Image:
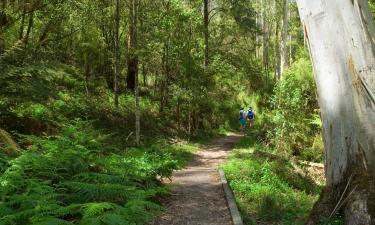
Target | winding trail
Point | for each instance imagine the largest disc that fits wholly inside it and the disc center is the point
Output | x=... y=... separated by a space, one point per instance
x=197 y=193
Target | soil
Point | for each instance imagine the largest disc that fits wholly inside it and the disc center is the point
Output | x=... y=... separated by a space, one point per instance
x=197 y=194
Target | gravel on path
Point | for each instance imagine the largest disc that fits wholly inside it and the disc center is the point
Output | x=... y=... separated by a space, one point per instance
x=197 y=196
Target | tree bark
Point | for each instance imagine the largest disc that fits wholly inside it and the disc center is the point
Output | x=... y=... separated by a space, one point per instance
x=30 y=25
x=265 y=45
x=144 y=72
x=133 y=67
x=256 y=35
x=117 y=53
x=277 y=52
x=340 y=35
x=284 y=39
x=132 y=42
x=22 y=22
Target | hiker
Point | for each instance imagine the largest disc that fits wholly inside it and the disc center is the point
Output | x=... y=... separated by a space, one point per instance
x=250 y=116
x=242 y=119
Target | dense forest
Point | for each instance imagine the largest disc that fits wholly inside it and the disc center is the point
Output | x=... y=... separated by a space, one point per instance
x=101 y=100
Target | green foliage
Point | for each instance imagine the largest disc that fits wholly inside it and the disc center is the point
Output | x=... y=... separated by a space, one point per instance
x=336 y=220
x=293 y=121
x=71 y=178
x=267 y=188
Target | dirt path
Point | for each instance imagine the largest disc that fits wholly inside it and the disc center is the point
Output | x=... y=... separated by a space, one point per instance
x=197 y=194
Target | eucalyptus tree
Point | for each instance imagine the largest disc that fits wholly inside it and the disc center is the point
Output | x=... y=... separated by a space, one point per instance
x=340 y=36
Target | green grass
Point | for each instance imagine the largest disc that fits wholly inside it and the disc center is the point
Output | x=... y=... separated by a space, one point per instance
x=267 y=189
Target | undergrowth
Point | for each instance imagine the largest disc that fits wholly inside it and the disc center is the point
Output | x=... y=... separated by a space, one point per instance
x=75 y=178
x=266 y=187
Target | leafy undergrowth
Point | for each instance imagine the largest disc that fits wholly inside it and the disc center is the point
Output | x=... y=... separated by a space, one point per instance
x=76 y=177
x=267 y=188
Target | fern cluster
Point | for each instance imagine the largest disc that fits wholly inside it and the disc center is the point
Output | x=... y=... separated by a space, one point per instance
x=71 y=178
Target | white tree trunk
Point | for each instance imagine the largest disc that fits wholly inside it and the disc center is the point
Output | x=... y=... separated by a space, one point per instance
x=284 y=38
x=340 y=36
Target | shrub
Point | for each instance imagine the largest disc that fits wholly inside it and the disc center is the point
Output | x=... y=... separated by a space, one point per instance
x=293 y=121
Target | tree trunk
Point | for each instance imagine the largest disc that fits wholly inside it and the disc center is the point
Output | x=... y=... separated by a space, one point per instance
x=277 y=52
x=132 y=42
x=206 y=32
x=22 y=22
x=30 y=25
x=340 y=35
x=133 y=66
x=144 y=72
x=265 y=46
x=165 y=80
x=3 y=16
x=284 y=39
x=117 y=53
x=256 y=35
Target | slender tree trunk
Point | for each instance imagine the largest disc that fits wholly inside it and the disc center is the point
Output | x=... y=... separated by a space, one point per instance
x=117 y=53
x=29 y=26
x=132 y=56
x=265 y=45
x=87 y=73
x=340 y=35
x=290 y=50
x=165 y=80
x=144 y=72
x=284 y=38
x=133 y=66
x=277 y=52
x=3 y=16
x=290 y=61
x=256 y=35
x=206 y=32
x=22 y=26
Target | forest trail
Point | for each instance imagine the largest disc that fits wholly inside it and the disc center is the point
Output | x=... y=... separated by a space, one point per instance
x=197 y=194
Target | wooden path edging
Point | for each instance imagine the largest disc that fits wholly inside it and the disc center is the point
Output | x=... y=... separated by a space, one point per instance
x=236 y=216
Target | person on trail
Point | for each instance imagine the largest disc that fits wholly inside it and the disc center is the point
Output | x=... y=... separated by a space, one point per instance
x=242 y=119
x=250 y=116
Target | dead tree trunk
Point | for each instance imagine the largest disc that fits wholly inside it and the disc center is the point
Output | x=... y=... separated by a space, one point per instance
x=340 y=35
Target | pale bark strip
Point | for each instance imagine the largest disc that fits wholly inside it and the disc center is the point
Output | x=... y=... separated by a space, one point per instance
x=340 y=35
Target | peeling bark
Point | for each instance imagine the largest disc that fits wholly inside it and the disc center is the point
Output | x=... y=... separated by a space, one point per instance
x=340 y=36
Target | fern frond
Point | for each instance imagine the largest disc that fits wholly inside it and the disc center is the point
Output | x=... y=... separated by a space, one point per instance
x=51 y=221
x=101 y=192
x=96 y=208
x=114 y=219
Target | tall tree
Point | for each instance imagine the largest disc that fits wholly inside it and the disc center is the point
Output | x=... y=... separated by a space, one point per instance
x=342 y=52
x=117 y=52
x=133 y=65
x=132 y=43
